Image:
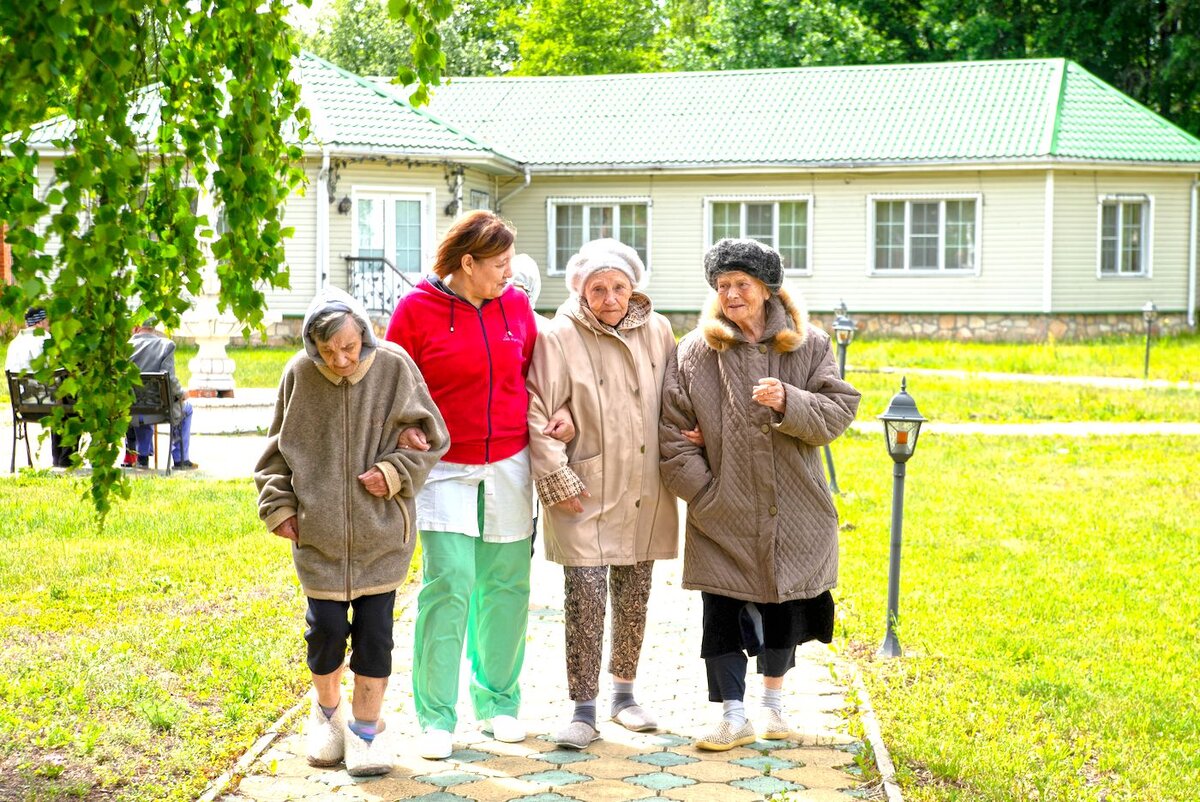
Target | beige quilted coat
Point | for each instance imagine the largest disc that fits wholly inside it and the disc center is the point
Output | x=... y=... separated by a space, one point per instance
x=611 y=385
x=761 y=525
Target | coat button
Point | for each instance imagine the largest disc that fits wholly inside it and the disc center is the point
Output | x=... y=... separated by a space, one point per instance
x=762 y=349
x=766 y=427
x=643 y=449
x=637 y=503
x=772 y=510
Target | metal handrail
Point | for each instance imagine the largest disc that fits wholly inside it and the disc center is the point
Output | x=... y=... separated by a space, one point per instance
x=376 y=283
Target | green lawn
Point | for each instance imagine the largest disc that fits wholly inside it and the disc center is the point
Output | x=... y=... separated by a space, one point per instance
x=254 y=366
x=139 y=662
x=1048 y=614
x=1171 y=358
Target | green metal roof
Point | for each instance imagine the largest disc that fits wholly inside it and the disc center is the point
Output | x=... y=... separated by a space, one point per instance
x=961 y=112
x=349 y=113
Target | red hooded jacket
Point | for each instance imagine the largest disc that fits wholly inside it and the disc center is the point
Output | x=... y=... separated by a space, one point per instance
x=474 y=361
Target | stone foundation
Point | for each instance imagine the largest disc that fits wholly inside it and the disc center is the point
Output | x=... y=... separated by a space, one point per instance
x=987 y=328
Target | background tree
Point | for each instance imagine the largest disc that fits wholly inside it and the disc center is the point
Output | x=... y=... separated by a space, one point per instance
x=588 y=37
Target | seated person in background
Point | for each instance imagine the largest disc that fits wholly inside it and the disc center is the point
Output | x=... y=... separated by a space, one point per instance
x=154 y=352
x=26 y=347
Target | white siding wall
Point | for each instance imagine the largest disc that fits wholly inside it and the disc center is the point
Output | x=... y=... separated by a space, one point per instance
x=1077 y=288
x=300 y=252
x=1010 y=240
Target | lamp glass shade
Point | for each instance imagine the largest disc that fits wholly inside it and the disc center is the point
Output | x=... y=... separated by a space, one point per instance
x=902 y=424
x=843 y=330
x=1149 y=312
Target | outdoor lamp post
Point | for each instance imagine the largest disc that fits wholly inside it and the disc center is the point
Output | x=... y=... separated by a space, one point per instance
x=843 y=331
x=901 y=424
x=1149 y=314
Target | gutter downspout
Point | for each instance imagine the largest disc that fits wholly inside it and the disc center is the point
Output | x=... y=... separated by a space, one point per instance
x=500 y=201
x=322 y=243
x=1191 y=300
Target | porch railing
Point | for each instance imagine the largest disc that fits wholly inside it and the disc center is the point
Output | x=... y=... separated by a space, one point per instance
x=376 y=283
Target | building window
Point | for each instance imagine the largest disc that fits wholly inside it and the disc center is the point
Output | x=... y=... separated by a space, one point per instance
x=783 y=224
x=1124 y=236
x=392 y=226
x=925 y=234
x=572 y=222
x=481 y=199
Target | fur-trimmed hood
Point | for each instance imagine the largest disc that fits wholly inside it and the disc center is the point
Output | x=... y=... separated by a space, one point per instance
x=787 y=324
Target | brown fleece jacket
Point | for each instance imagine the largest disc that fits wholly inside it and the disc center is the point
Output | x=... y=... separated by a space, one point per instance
x=327 y=430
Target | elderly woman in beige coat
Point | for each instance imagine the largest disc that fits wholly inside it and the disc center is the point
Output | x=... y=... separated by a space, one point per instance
x=608 y=515
x=749 y=398
x=334 y=481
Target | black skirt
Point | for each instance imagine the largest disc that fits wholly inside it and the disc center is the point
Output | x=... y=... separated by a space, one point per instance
x=734 y=625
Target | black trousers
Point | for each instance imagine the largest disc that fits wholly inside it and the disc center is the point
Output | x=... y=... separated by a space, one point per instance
x=369 y=632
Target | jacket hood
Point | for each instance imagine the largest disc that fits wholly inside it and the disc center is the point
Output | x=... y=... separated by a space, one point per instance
x=639 y=311
x=332 y=299
x=787 y=324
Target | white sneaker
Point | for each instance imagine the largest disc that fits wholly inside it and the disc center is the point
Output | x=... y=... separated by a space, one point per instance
x=368 y=759
x=323 y=737
x=435 y=744
x=505 y=728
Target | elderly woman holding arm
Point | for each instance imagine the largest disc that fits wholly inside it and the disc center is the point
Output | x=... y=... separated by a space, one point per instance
x=608 y=515
x=334 y=481
x=748 y=399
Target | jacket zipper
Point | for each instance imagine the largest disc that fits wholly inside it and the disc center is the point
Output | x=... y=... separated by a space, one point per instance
x=349 y=485
x=487 y=443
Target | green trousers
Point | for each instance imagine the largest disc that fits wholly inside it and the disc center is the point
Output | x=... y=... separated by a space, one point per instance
x=479 y=591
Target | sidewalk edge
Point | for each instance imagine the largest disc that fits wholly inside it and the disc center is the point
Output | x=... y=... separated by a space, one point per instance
x=883 y=758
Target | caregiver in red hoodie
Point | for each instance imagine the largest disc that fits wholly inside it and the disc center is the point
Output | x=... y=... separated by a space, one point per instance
x=472 y=336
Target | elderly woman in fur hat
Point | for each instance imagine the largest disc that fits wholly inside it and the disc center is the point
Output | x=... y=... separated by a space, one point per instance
x=608 y=516
x=749 y=398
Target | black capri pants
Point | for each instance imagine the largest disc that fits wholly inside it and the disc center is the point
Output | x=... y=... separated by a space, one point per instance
x=369 y=632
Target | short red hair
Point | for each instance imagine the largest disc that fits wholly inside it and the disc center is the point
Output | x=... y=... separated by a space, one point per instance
x=480 y=233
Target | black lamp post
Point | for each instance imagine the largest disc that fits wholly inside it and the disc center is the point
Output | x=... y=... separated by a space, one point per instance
x=1149 y=314
x=843 y=331
x=901 y=424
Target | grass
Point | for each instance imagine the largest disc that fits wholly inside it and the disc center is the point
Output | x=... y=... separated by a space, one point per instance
x=1047 y=613
x=1171 y=358
x=139 y=662
x=254 y=366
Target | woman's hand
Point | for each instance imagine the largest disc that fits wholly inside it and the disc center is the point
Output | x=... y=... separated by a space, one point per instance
x=560 y=426
x=770 y=393
x=288 y=530
x=573 y=504
x=412 y=438
x=694 y=436
x=374 y=481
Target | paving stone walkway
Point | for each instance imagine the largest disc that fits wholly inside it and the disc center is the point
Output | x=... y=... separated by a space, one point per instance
x=818 y=765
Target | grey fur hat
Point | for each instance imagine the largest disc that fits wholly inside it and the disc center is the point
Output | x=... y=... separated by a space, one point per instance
x=604 y=254
x=749 y=256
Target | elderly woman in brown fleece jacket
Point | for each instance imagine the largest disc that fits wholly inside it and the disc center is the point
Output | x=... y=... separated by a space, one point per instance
x=748 y=399
x=334 y=481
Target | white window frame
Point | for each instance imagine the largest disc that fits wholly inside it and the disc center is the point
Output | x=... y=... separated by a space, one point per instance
x=426 y=197
x=924 y=197
x=808 y=200
x=552 y=266
x=1146 y=201
x=480 y=199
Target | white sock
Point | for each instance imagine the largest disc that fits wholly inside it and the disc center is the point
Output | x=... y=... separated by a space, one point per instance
x=735 y=712
x=773 y=698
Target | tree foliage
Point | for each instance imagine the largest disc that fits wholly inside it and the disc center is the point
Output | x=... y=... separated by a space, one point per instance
x=116 y=234
x=588 y=37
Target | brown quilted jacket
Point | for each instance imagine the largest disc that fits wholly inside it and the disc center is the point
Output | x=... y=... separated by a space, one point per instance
x=761 y=525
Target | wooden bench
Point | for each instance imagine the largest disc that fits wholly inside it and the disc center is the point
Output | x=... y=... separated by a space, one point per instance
x=33 y=401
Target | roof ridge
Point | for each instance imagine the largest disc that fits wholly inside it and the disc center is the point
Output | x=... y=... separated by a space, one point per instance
x=396 y=99
x=1112 y=91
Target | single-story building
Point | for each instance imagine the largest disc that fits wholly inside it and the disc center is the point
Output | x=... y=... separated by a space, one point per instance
x=998 y=199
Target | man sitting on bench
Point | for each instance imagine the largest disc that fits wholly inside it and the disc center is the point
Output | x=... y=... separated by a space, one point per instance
x=26 y=347
x=155 y=352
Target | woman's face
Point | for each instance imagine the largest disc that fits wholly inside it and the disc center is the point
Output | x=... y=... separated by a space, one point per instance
x=341 y=351
x=607 y=294
x=488 y=276
x=742 y=297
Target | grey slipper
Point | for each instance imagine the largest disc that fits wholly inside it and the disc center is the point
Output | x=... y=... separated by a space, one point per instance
x=635 y=718
x=576 y=735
